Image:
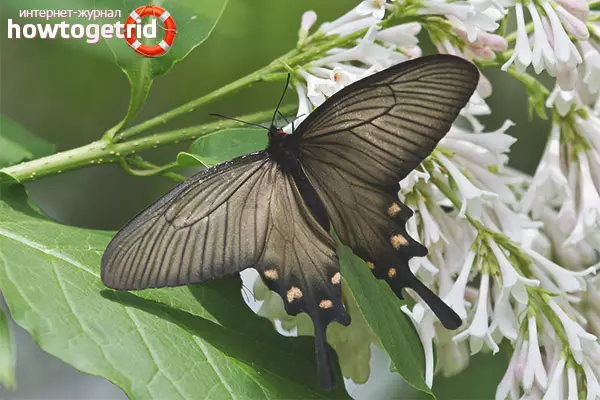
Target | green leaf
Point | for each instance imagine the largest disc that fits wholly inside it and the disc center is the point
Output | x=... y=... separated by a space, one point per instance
x=173 y=343
x=7 y=353
x=381 y=309
x=187 y=160
x=224 y=145
x=18 y=144
x=194 y=19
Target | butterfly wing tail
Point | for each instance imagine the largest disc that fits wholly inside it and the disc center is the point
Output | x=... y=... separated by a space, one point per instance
x=445 y=314
x=324 y=363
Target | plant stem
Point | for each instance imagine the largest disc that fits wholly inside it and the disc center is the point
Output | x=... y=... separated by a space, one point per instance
x=269 y=72
x=194 y=104
x=102 y=151
x=110 y=149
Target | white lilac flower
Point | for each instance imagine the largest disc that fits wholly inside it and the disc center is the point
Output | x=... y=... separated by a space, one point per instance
x=591 y=61
x=471 y=196
x=543 y=54
x=580 y=341
x=319 y=89
x=473 y=16
x=522 y=55
x=483 y=148
x=573 y=25
x=308 y=20
x=567 y=280
x=304 y=108
x=557 y=227
x=591 y=381
x=367 y=9
x=579 y=8
x=564 y=101
x=588 y=220
x=549 y=181
x=567 y=55
x=376 y=8
x=404 y=35
x=350 y=27
x=367 y=52
x=431 y=230
x=534 y=367
x=484 y=47
x=512 y=280
x=573 y=393
x=456 y=297
x=479 y=331
x=556 y=385
x=423 y=319
x=504 y=318
x=509 y=385
x=408 y=183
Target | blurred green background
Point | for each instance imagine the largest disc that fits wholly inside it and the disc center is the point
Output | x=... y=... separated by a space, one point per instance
x=70 y=94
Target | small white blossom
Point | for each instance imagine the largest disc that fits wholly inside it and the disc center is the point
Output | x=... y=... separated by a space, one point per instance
x=579 y=339
x=556 y=380
x=568 y=281
x=456 y=297
x=509 y=385
x=549 y=181
x=423 y=320
x=479 y=332
x=588 y=220
x=591 y=382
x=472 y=197
x=522 y=55
x=308 y=20
x=534 y=368
x=591 y=61
x=376 y=8
x=510 y=278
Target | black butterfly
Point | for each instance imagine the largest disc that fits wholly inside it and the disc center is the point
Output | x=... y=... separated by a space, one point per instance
x=271 y=210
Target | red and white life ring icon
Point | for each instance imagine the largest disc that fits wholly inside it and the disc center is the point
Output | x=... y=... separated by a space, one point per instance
x=165 y=44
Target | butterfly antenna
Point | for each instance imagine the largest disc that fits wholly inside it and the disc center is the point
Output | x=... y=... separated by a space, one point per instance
x=283 y=116
x=287 y=82
x=238 y=120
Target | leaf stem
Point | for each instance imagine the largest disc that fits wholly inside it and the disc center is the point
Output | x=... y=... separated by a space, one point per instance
x=110 y=148
x=103 y=152
x=293 y=58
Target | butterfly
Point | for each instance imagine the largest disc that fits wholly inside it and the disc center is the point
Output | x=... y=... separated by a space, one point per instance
x=273 y=210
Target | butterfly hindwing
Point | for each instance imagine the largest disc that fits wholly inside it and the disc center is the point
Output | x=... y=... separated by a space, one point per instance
x=362 y=141
x=300 y=263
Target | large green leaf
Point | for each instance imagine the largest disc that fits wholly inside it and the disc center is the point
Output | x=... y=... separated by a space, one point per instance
x=381 y=309
x=227 y=144
x=195 y=20
x=18 y=144
x=176 y=343
x=7 y=353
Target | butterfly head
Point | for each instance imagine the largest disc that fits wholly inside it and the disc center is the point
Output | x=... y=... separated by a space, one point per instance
x=276 y=133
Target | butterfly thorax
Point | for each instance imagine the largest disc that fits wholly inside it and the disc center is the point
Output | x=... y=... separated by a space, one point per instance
x=283 y=150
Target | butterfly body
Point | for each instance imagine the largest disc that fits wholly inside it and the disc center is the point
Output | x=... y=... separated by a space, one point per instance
x=272 y=210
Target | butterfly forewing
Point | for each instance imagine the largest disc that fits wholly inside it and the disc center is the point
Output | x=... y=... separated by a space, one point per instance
x=212 y=225
x=361 y=142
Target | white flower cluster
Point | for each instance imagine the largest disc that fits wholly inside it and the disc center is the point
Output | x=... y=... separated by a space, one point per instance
x=557 y=28
x=511 y=254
